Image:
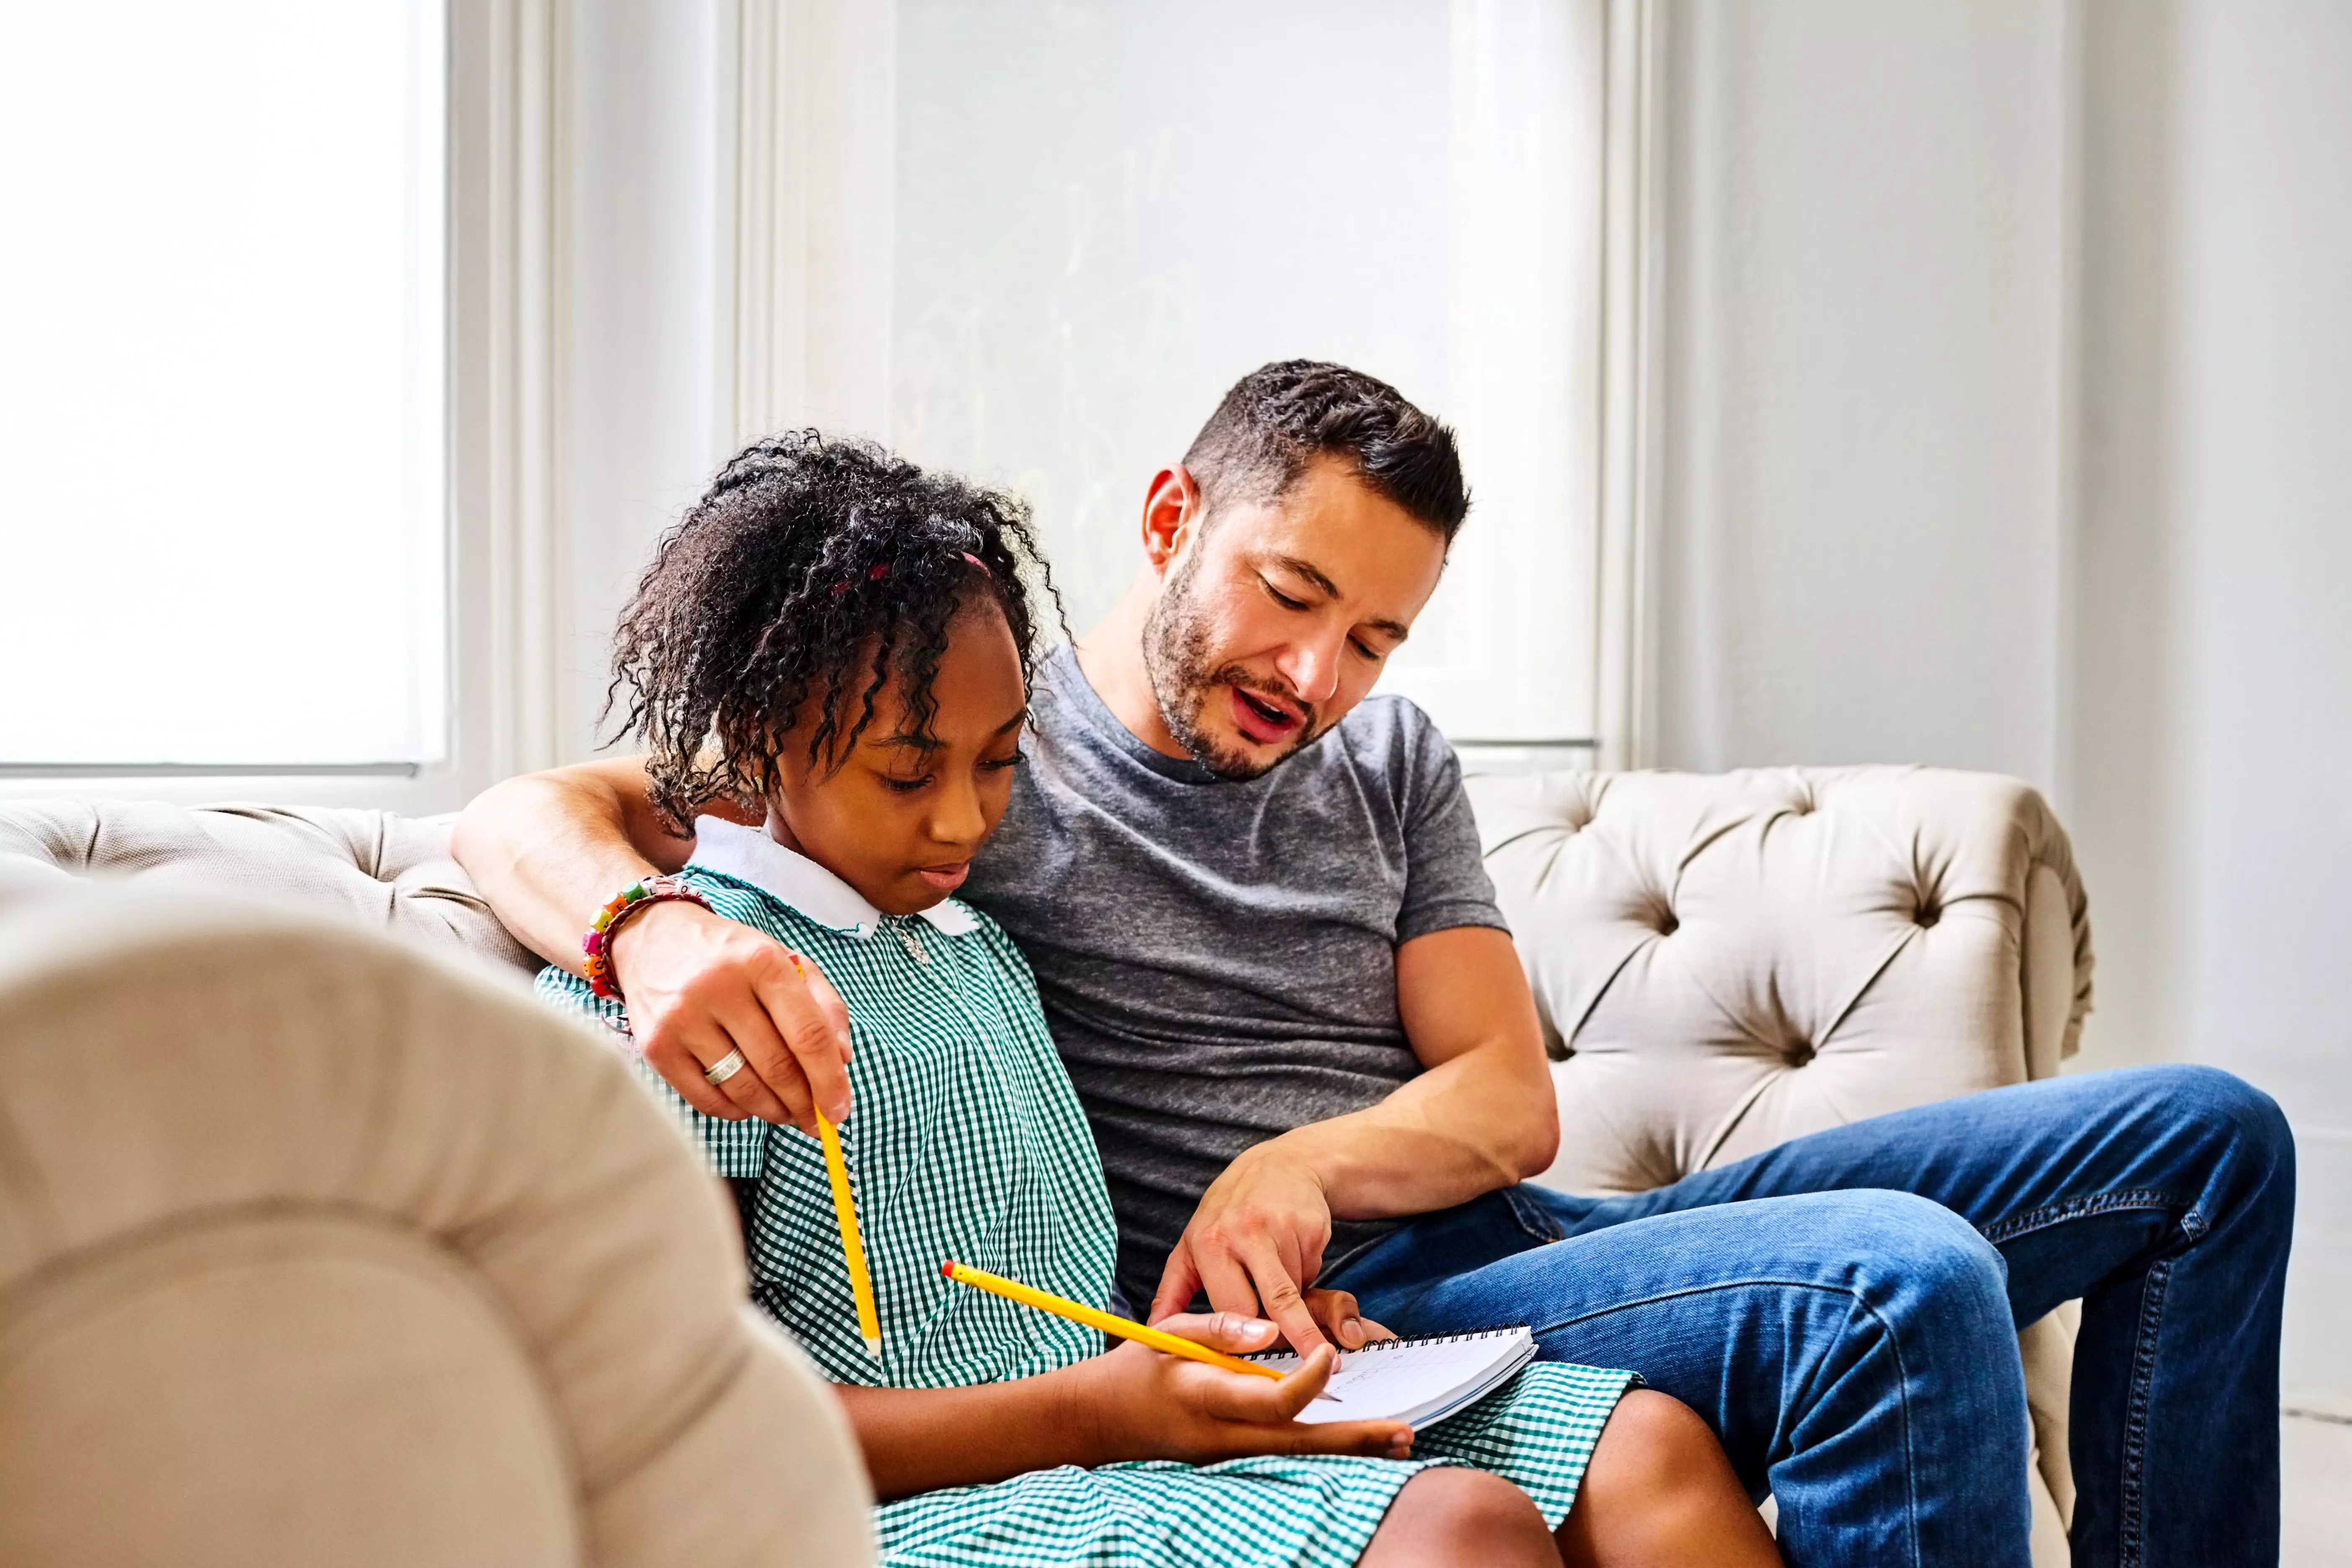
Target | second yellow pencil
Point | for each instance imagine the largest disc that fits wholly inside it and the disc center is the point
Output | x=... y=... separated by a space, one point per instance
x=1078 y=1312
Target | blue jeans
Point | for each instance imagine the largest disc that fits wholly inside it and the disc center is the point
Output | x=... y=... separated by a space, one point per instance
x=1843 y=1310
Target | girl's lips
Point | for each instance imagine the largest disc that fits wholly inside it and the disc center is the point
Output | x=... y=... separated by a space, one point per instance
x=1255 y=723
x=946 y=878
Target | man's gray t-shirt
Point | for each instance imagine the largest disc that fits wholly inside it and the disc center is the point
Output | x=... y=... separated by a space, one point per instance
x=1218 y=959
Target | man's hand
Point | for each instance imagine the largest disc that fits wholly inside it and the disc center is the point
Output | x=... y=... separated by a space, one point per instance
x=1254 y=1243
x=1480 y=1116
x=699 y=985
x=1335 y=1313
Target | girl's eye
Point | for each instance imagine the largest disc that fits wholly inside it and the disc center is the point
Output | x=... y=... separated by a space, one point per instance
x=998 y=765
x=905 y=787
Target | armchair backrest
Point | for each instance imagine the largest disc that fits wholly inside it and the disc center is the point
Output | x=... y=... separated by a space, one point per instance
x=316 y=1247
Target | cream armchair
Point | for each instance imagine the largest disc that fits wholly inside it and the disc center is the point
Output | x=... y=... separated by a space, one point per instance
x=319 y=1248
x=1721 y=962
x=1725 y=961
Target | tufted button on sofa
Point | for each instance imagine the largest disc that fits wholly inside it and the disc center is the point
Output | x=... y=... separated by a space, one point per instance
x=1722 y=963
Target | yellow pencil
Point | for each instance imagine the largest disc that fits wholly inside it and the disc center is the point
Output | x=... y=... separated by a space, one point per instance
x=1078 y=1312
x=844 y=1215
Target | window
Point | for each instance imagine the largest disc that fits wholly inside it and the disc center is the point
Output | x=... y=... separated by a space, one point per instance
x=222 y=385
x=1036 y=242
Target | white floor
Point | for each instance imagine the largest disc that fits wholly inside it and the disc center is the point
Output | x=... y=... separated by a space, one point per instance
x=2315 y=1466
x=2316 y=1457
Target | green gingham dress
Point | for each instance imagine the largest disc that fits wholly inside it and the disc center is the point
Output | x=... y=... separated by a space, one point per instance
x=967 y=1142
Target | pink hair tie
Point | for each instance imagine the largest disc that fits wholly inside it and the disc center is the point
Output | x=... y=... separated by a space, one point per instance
x=976 y=560
x=874 y=574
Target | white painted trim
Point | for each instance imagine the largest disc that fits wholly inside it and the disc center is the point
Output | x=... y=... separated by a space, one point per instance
x=2065 y=719
x=507 y=62
x=1632 y=357
x=814 y=117
x=765 y=297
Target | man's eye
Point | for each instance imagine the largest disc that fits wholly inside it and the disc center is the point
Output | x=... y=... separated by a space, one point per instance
x=1280 y=597
x=1371 y=653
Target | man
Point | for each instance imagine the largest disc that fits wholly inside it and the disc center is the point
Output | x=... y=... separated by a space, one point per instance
x=1274 y=965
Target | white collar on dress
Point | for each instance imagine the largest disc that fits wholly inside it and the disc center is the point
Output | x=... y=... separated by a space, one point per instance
x=749 y=855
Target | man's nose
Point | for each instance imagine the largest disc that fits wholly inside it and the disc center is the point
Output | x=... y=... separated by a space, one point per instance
x=1313 y=669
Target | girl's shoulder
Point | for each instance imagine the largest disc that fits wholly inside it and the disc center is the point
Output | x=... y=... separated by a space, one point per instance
x=746 y=903
x=998 y=944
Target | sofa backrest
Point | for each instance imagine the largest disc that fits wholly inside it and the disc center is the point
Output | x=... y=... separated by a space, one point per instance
x=1723 y=962
x=390 y=873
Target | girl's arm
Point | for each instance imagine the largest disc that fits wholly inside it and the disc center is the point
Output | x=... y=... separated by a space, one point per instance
x=1132 y=1403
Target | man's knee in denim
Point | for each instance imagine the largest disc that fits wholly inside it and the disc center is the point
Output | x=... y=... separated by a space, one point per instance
x=2211 y=1099
x=1926 y=1256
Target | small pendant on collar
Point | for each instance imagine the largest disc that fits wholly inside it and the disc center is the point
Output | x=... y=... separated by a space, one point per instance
x=911 y=940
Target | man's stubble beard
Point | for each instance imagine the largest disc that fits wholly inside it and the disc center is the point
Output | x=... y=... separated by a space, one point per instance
x=1176 y=660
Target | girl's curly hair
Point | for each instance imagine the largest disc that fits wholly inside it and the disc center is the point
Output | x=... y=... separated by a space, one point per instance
x=813 y=566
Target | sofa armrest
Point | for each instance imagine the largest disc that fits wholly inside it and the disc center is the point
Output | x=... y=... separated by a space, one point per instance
x=1724 y=961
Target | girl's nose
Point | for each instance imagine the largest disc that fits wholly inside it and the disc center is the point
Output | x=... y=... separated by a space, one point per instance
x=959 y=818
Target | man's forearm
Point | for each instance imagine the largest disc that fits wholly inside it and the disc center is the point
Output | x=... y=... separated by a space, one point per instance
x=547 y=850
x=1480 y=1117
x=1469 y=1126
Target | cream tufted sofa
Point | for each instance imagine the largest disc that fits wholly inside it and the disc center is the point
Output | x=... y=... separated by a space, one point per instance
x=319 y=1248
x=1721 y=962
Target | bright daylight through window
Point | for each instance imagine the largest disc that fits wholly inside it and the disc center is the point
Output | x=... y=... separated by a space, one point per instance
x=1103 y=215
x=221 y=426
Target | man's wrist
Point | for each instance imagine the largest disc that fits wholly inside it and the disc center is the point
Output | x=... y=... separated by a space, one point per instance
x=1294 y=1153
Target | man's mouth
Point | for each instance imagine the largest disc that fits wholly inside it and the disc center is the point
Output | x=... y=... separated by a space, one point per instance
x=1264 y=719
x=945 y=879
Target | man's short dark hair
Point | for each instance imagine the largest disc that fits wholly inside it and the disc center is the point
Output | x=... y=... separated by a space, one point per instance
x=1279 y=418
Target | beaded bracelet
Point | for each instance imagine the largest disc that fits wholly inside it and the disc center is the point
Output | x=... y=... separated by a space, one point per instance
x=637 y=896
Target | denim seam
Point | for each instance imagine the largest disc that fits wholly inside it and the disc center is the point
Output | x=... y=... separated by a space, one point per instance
x=2131 y=1512
x=2042 y=1219
x=2131 y=1504
x=1894 y=1346
x=1553 y=1230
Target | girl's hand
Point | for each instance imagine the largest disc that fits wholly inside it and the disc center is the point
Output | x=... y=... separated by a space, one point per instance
x=1142 y=1404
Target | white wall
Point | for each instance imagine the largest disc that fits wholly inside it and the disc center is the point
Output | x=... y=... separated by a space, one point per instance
x=1865 y=276
x=2215 y=704
x=2010 y=427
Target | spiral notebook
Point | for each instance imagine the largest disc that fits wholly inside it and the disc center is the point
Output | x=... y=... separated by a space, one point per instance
x=1419 y=1381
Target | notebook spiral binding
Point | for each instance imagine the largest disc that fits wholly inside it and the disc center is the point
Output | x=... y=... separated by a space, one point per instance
x=1399 y=1344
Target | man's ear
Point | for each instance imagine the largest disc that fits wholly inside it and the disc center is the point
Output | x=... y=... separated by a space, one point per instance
x=1172 y=518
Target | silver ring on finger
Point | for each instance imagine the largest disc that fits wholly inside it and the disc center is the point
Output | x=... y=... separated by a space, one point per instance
x=725 y=1067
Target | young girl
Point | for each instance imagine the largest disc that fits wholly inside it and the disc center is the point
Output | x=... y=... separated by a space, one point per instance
x=842 y=643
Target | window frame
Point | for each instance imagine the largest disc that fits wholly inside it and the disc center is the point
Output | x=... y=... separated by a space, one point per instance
x=804 y=75
x=501 y=543
x=509 y=612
